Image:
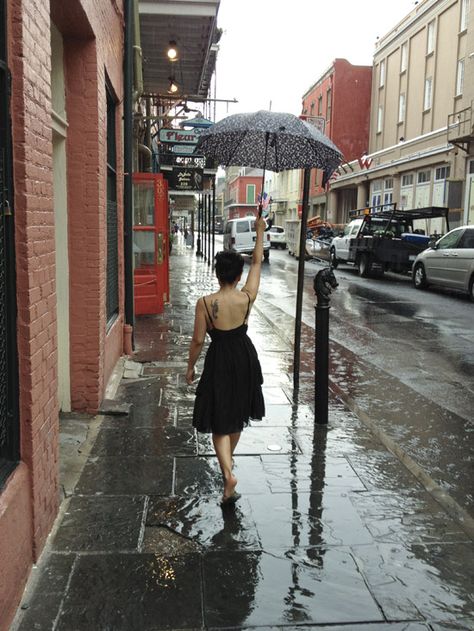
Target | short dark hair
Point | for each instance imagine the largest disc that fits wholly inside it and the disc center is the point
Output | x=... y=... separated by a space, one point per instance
x=229 y=266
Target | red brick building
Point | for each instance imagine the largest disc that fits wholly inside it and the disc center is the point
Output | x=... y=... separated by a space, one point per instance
x=340 y=98
x=61 y=288
x=243 y=187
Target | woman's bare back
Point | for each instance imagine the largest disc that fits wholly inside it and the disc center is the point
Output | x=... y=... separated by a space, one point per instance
x=227 y=309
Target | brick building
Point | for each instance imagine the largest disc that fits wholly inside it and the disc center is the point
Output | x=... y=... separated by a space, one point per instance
x=340 y=100
x=243 y=186
x=61 y=254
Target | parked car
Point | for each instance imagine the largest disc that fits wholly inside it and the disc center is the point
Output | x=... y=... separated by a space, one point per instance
x=448 y=263
x=277 y=237
x=240 y=236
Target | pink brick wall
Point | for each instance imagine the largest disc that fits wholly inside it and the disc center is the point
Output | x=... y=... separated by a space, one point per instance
x=30 y=63
x=87 y=64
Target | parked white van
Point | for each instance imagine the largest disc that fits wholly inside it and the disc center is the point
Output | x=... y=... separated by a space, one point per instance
x=240 y=235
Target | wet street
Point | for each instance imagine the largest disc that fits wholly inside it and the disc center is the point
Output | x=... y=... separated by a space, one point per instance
x=400 y=357
x=332 y=531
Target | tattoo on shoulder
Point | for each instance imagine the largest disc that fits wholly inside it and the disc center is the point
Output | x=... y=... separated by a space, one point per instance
x=215 y=309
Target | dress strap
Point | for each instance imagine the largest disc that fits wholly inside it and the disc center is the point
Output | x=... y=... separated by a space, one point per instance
x=208 y=314
x=248 y=310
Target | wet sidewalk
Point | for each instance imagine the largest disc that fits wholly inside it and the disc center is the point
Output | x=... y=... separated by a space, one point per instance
x=331 y=532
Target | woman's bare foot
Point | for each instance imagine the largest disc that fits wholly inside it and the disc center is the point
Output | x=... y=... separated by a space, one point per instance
x=229 y=487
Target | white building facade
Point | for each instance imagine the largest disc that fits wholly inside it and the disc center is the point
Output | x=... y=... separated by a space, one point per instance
x=421 y=149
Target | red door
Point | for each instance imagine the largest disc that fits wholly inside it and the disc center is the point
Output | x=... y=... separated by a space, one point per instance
x=150 y=243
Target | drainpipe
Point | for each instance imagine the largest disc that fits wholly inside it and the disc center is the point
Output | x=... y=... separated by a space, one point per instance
x=128 y=161
x=137 y=55
x=146 y=151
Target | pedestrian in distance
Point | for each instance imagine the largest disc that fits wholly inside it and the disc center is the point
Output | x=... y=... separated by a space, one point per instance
x=229 y=392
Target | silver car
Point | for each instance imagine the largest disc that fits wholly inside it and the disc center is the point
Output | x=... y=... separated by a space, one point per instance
x=448 y=263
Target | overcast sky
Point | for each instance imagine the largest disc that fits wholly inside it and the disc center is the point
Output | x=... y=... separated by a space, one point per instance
x=274 y=51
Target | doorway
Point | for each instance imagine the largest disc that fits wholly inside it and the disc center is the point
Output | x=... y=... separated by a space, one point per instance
x=59 y=124
x=469 y=204
x=9 y=417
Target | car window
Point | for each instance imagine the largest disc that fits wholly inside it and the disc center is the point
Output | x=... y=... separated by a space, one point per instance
x=243 y=226
x=467 y=240
x=355 y=228
x=348 y=229
x=228 y=228
x=252 y=226
x=274 y=230
x=450 y=240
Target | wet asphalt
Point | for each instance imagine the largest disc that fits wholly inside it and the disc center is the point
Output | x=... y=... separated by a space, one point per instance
x=332 y=530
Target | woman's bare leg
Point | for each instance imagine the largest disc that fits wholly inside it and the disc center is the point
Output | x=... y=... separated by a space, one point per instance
x=234 y=439
x=222 y=445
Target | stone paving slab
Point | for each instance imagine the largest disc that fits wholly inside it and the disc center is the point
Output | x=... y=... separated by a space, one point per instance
x=98 y=523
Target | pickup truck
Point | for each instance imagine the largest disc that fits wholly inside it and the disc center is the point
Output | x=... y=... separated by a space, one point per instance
x=379 y=239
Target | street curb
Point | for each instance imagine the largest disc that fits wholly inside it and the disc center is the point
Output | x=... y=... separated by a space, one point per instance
x=452 y=508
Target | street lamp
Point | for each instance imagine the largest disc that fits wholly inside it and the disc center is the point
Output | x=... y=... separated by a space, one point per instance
x=173 y=87
x=172 y=51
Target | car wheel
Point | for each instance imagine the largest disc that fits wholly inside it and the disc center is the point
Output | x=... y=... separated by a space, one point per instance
x=419 y=277
x=364 y=266
x=266 y=255
x=471 y=288
x=334 y=260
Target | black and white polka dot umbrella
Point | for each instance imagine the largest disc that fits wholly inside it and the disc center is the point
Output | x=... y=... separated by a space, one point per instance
x=272 y=141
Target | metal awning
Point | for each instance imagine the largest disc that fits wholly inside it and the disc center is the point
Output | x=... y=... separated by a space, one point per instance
x=192 y=24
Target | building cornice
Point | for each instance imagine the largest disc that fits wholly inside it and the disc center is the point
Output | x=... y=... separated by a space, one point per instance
x=404 y=25
x=366 y=173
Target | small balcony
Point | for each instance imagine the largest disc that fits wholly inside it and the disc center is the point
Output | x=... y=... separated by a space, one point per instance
x=461 y=127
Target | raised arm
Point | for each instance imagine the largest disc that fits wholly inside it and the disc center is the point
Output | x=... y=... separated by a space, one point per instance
x=199 y=335
x=253 y=279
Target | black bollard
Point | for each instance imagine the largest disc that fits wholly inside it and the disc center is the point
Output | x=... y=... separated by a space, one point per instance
x=324 y=282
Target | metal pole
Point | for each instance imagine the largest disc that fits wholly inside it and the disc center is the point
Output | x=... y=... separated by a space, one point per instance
x=204 y=217
x=210 y=229
x=128 y=165
x=213 y=219
x=198 y=240
x=299 y=291
x=324 y=282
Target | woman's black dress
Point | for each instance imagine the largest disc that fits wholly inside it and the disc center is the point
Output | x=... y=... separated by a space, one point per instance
x=229 y=392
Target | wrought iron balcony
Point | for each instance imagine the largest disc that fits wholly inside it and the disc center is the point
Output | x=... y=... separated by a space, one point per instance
x=461 y=127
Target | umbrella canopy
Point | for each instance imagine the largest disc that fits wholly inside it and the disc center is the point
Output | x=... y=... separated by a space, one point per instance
x=273 y=141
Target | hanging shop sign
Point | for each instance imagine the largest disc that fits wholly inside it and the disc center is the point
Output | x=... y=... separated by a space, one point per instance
x=180 y=136
x=186 y=179
x=184 y=150
x=198 y=162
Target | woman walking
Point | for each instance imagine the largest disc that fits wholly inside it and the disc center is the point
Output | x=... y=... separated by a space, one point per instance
x=229 y=392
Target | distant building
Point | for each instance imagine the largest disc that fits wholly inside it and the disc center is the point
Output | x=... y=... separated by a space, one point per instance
x=339 y=104
x=421 y=130
x=243 y=186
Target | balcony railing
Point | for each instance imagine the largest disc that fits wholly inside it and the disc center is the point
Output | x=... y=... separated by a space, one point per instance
x=461 y=127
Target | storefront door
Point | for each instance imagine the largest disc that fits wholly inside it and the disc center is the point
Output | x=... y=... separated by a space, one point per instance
x=150 y=243
x=9 y=429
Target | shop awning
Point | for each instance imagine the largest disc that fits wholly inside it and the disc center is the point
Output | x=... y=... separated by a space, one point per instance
x=192 y=24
